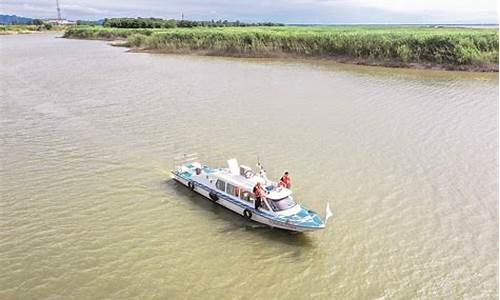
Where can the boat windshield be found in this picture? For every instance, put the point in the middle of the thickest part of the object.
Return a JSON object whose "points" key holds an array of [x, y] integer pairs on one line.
{"points": [[282, 204]]}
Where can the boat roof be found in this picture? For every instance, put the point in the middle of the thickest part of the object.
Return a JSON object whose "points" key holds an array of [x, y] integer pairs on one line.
{"points": [[249, 183]]}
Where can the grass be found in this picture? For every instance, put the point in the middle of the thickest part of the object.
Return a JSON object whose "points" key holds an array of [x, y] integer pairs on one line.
{"points": [[452, 48], [25, 29], [17, 29], [104, 33]]}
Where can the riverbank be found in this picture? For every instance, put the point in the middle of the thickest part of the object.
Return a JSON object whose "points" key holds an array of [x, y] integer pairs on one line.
{"points": [[17, 29], [410, 47], [29, 29]]}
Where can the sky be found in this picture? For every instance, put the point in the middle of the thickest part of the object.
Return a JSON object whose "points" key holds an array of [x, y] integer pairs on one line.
{"points": [[284, 11]]}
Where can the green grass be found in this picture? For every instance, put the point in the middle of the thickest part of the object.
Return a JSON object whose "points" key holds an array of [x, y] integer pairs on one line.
{"points": [[452, 47], [13, 29], [22, 29], [103, 33]]}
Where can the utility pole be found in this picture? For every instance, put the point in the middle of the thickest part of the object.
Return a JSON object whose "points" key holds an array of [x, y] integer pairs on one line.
{"points": [[182, 15], [58, 10]]}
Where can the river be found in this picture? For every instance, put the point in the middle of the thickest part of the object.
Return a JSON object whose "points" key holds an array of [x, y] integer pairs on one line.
{"points": [[407, 160]]}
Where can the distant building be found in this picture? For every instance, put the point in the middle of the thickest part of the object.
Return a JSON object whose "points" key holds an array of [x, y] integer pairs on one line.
{"points": [[61, 22]]}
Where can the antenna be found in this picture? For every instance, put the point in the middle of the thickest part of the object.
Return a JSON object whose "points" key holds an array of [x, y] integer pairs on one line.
{"points": [[58, 10]]}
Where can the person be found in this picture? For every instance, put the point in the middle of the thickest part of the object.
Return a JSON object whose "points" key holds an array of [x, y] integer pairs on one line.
{"points": [[285, 181], [259, 194]]}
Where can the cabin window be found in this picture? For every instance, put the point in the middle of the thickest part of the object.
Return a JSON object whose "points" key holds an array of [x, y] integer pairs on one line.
{"points": [[282, 204], [247, 196], [232, 190], [221, 185]]}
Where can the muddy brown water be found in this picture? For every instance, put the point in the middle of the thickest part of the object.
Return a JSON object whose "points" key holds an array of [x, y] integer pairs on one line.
{"points": [[406, 158]]}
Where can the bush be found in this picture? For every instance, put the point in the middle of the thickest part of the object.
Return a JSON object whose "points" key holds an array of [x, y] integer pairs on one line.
{"points": [[136, 40]]}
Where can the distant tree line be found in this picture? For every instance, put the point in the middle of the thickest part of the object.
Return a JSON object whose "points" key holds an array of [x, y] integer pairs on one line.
{"points": [[85, 22], [171, 23], [14, 20]]}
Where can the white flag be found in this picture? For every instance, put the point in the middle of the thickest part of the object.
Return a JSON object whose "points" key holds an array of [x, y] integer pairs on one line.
{"points": [[328, 213]]}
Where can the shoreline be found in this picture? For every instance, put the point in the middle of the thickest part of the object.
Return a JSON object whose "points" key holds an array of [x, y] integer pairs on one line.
{"points": [[25, 32], [282, 55], [15, 29], [445, 50], [14, 32], [335, 59]]}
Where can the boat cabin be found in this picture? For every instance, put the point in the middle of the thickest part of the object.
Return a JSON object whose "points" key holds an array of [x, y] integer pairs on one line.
{"points": [[238, 181]]}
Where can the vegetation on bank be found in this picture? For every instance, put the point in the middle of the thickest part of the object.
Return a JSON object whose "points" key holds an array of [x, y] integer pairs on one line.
{"points": [[16, 29], [35, 27], [162, 23], [102, 33], [451, 48]]}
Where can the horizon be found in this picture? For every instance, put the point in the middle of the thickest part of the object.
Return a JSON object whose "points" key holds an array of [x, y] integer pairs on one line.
{"points": [[321, 12], [261, 21]]}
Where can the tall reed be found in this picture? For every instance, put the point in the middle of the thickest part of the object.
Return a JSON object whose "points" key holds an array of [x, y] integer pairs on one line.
{"points": [[407, 45]]}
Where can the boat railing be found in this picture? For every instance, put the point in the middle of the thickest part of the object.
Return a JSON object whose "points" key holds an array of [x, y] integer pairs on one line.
{"points": [[184, 159]]}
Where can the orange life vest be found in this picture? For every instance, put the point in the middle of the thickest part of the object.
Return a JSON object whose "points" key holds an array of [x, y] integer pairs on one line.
{"points": [[285, 181], [258, 192]]}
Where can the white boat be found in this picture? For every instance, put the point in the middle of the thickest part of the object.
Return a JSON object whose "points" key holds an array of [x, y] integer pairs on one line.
{"points": [[232, 188]]}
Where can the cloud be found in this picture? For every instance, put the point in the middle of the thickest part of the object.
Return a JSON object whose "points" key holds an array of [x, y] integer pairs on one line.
{"points": [[287, 11], [78, 9], [443, 9]]}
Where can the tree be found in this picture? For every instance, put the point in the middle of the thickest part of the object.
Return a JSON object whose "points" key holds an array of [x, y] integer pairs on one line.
{"points": [[37, 22]]}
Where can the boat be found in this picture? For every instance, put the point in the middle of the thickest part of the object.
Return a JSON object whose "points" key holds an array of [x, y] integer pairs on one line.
{"points": [[232, 188]]}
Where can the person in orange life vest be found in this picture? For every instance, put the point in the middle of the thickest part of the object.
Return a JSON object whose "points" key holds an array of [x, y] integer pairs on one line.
{"points": [[259, 193], [285, 181]]}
